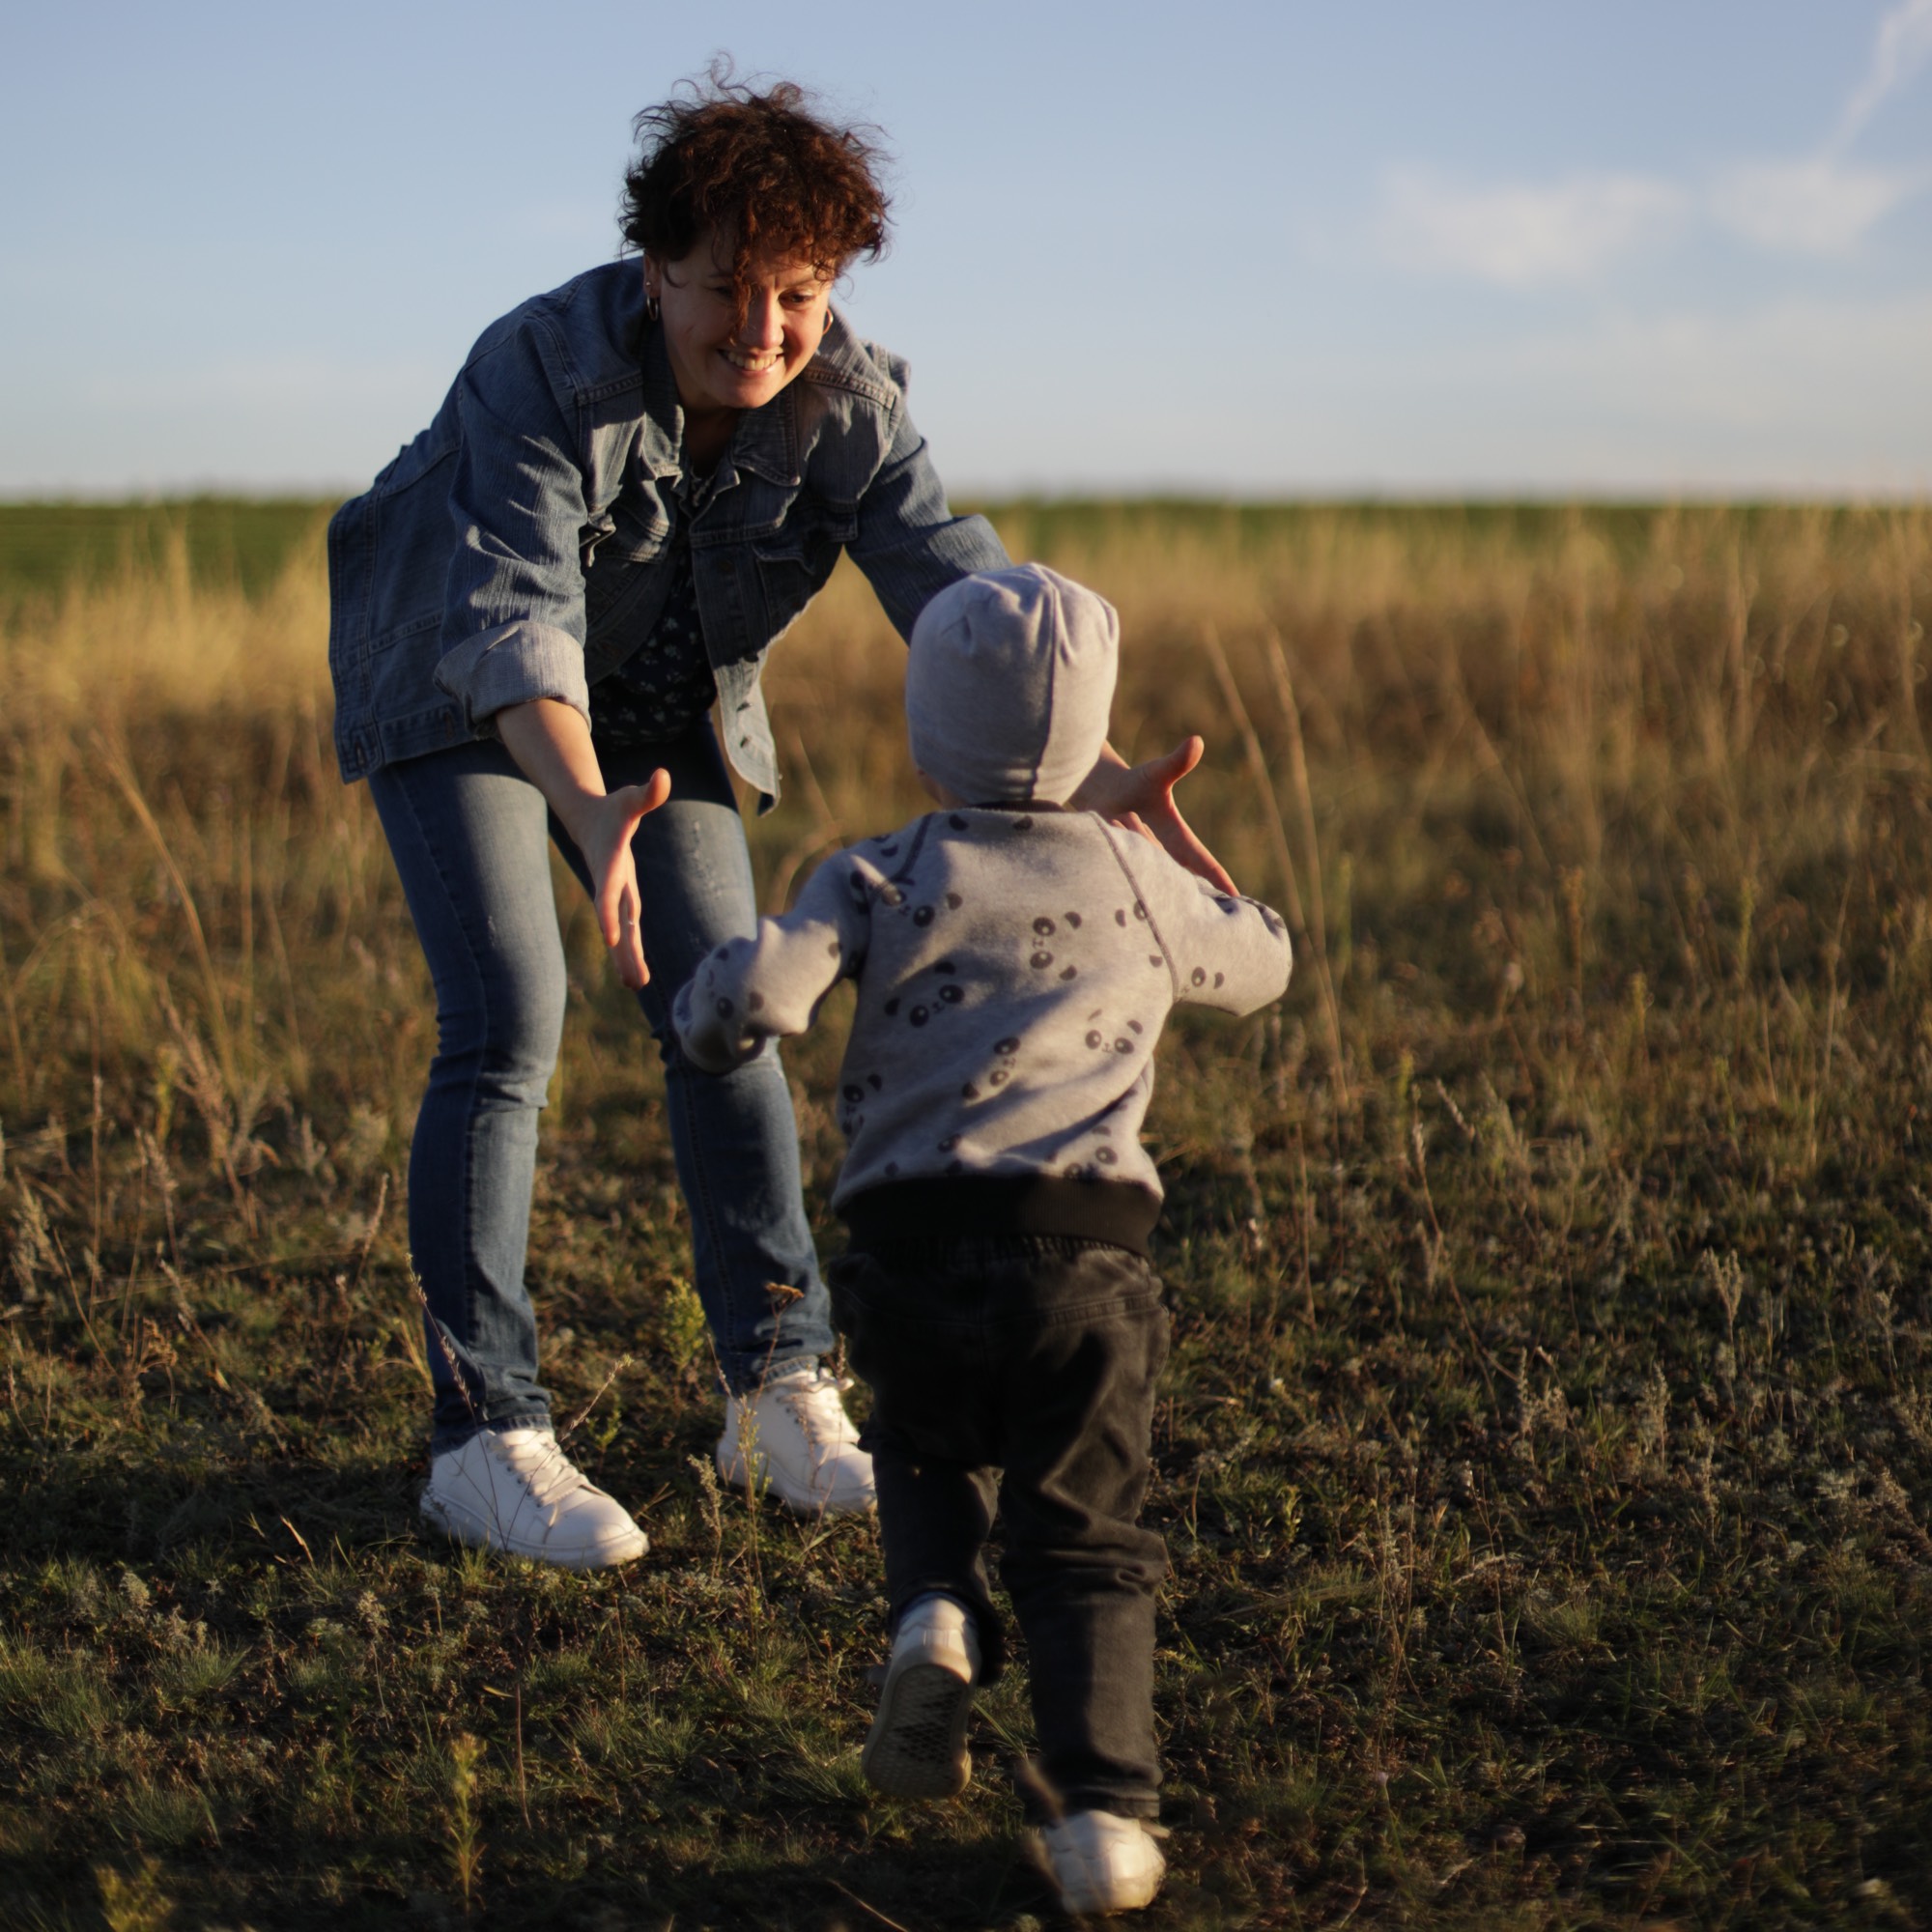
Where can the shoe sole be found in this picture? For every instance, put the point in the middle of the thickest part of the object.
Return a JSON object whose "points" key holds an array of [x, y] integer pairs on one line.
{"points": [[918, 1742], [439, 1520]]}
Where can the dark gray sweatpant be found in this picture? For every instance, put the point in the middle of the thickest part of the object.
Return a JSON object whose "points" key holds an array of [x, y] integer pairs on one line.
{"points": [[1020, 1371]]}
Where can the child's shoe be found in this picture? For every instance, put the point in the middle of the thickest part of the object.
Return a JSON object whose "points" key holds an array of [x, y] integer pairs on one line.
{"points": [[1102, 1862], [918, 1744]]}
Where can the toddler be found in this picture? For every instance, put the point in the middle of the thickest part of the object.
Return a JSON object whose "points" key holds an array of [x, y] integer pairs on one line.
{"points": [[1015, 959]]}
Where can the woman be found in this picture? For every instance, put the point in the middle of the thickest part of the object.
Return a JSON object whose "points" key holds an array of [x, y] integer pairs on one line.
{"points": [[635, 482]]}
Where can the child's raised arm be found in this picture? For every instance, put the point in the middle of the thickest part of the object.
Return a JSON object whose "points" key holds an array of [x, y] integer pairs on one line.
{"points": [[1223, 950], [751, 990]]}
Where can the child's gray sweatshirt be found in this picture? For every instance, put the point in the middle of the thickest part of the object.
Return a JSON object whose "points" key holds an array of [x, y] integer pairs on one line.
{"points": [[1014, 966]]}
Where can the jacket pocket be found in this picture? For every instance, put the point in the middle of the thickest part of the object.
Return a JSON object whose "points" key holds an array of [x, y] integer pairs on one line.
{"points": [[403, 633], [793, 563], [616, 590]]}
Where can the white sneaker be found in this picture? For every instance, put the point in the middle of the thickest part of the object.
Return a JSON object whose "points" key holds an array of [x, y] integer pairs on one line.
{"points": [[1102, 1862], [794, 1438], [918, 1745], [513, 1490]]}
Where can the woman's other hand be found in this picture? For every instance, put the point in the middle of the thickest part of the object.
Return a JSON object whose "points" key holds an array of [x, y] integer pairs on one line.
{"points": [[551, 742], [1141, 798]]}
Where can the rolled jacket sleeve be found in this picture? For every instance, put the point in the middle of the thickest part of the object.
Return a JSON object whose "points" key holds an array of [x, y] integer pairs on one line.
{"points": [[514, 625], [512, 664]]}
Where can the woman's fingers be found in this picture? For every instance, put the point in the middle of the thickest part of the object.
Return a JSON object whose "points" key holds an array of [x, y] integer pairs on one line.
{"points": [[1153, 800], [1120, 790], [619, 910], [628, 955], [632, 802], [618, 915], [1169, 771], [656, 789], [1140, 798], [1178, 838]]}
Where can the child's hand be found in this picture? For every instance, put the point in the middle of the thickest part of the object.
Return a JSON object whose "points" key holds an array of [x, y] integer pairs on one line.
{"points": [[1141, 798]]}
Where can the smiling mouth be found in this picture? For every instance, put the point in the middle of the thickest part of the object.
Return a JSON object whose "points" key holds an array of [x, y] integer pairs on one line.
{"points": [[750, 364]]}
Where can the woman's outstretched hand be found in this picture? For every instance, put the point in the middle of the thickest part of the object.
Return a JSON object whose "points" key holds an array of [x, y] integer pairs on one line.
{"points": [[551, 742], [605, 839], [1141, 798]]}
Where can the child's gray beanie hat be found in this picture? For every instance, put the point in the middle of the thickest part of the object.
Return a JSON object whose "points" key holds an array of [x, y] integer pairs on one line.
{"points": [[1008, 683]]}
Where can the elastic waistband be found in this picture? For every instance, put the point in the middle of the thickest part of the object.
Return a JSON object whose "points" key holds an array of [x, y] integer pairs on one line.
{"points": [[946, 1207]]}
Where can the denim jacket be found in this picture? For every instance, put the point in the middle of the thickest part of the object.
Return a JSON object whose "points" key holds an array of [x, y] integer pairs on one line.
{"points": [[514, 550]]}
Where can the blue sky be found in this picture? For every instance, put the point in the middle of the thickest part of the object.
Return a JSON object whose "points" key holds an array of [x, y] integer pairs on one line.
{"points": [[1390, 247]]}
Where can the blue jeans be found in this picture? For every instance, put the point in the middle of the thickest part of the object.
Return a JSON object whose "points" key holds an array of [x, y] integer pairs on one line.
{"points": [[469, 835]]}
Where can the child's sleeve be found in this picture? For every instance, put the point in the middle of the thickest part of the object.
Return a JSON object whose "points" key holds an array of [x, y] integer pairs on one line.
{"points": [[750, 990], [1224, 951]]}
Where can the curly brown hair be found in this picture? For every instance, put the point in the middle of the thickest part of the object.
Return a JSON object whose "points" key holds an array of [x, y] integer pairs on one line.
{"points": [[758, 168]]}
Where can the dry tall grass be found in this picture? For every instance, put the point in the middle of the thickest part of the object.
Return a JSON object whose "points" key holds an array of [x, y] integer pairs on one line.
{"points": [[1645, 712], [1492, 765]]}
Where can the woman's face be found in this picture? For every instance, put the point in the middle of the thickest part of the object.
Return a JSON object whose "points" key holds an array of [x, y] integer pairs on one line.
{"points": [[723, 363]]}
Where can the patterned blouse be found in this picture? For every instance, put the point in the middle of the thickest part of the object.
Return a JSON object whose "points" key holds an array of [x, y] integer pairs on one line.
{"points": [[665, 685]]}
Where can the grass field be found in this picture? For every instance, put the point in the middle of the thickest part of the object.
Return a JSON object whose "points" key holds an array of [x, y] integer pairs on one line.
{"points": [[1547, 1457]]}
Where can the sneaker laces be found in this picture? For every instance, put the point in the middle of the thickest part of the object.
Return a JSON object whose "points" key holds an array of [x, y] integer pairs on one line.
{"points": [[817, 1400], [545, 1470]]}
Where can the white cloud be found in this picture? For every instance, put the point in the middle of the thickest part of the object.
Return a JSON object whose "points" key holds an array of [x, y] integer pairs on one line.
{"points": [[1522, 236], [1820, 206], [1904, 41]]}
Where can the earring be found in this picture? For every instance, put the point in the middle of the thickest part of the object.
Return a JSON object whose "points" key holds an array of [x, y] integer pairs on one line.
{"points": [[653, 307]]}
